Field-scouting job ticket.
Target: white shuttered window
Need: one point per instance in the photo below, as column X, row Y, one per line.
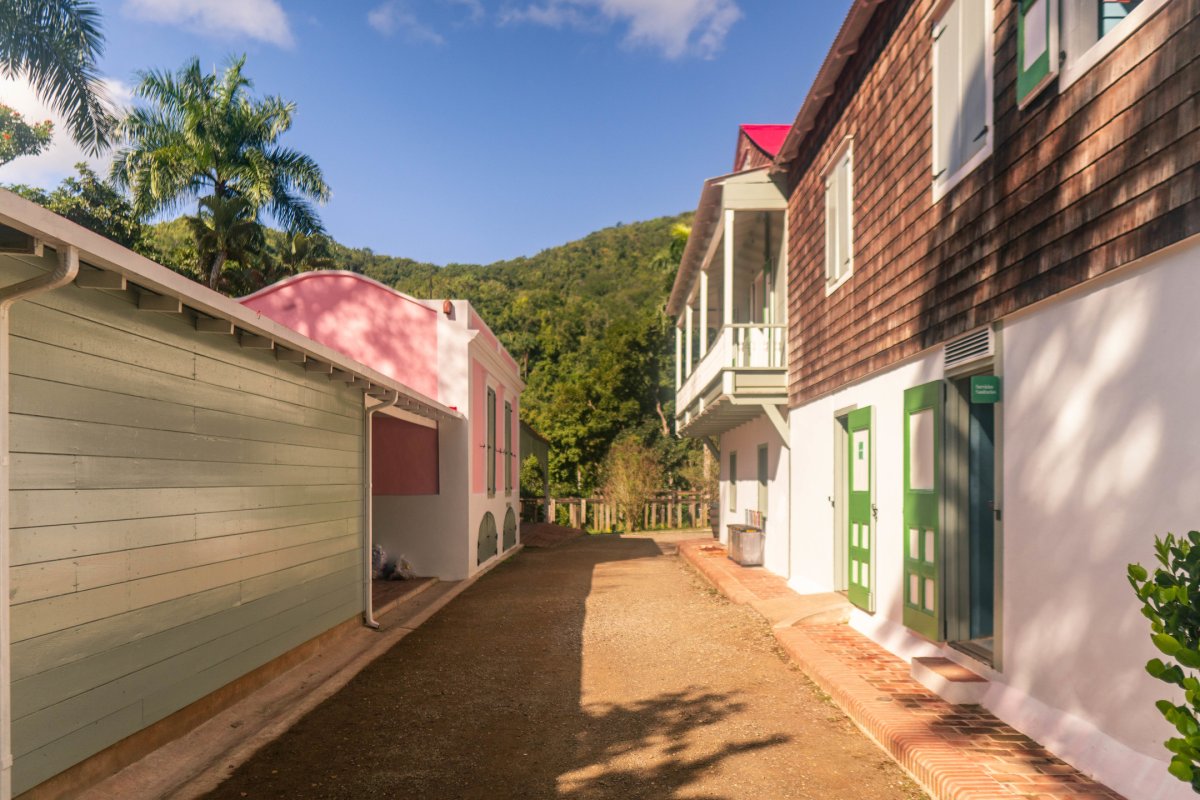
column 839, row 219
column 962, row 91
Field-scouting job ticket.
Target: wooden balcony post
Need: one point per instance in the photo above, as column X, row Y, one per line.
column 703, row 313
column 727, row 317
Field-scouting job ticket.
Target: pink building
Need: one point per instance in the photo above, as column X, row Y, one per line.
column 445, row 495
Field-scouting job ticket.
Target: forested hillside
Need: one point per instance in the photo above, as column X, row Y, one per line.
column 585, row 321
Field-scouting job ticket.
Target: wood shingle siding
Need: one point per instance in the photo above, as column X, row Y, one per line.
column 183, row 511
column 1079, row 183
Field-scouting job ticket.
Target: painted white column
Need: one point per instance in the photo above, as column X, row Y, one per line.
column 703, row 313
column 728, row 311
column 687, row 356
column 678, row 356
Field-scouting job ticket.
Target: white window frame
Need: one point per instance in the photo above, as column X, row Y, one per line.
column 944, row 183
column 1076, row 65
column 845, row 152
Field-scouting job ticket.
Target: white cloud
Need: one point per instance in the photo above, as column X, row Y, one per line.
column 394, row 16
column 58, row 161
column 264, row 20
column 675, row 27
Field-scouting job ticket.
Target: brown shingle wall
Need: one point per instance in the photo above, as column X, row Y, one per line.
column 1077, row 184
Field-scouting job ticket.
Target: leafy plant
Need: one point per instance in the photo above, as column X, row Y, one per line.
column 55, row 44
column 1170, row 601
column 632, row 475
column 203, row 137
column 20, row 138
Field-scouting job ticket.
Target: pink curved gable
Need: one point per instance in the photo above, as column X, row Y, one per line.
column 361, row 318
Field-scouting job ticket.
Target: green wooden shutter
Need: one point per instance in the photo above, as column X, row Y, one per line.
column 491, row 443
column 859, row 522
column 923, row 411
column 1037, row 47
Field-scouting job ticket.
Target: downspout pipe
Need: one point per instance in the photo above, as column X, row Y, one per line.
column 390, row 400
column 68, row 268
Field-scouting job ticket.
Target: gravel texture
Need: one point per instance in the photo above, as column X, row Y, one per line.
column 602, row 668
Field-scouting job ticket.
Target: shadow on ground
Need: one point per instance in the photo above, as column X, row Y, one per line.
column 483, row 701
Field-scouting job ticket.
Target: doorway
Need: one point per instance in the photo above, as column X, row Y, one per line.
column 972, row 515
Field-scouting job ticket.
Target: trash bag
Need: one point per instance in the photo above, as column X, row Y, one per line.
column 379, row 562
column 402, row 570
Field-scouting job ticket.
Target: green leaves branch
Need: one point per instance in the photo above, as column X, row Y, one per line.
column 1169, row 598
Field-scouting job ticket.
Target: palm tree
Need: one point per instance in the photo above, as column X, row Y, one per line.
column 225, row 228
column 56, row 44
column 202, row 137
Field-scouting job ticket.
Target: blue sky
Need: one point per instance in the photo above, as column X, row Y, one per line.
column 476, row 130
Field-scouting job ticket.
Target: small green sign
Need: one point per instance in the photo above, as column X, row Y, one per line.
column 985, row 389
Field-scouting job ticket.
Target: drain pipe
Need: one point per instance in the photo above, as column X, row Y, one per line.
column 390, row 400
column 68, row 268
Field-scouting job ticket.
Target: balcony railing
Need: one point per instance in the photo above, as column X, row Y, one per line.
column 757, row 346
column 742, row 346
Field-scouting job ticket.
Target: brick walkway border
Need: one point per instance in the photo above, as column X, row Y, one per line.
column 954, row 752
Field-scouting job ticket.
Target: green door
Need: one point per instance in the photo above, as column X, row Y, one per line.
column 859, row 525
column 923, row 409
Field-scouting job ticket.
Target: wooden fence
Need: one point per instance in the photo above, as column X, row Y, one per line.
column 664, row 511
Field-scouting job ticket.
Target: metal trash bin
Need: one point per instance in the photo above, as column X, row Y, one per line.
column 746, row 545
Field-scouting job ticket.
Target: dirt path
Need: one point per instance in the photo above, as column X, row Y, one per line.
column 602, row 668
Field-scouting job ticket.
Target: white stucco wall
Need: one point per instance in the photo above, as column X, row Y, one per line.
column 745, row 440
column 1092, row 469
column 1100, row 456
column 432, row 530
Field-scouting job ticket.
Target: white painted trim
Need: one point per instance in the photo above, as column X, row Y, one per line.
column 944, row 184
column 845, row 149
column 1074, row 68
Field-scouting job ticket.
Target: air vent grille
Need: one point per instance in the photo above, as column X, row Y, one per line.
column 968, row 349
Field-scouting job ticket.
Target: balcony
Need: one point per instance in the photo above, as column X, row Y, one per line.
column 729, row 301
column 745, row 367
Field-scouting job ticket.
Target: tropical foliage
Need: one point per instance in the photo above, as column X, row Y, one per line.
column 1170, row 599
column 632, row 475
column 56, row 44
column 201, row 137
column 88, row 200
column 19, row 138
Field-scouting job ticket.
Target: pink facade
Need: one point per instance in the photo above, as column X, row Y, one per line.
column 393, row 333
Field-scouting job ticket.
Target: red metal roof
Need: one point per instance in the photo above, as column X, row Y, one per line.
column 768, row 138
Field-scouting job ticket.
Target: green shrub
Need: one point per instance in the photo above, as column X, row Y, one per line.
column 1169, row 600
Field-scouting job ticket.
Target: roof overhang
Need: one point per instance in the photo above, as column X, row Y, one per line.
column 751, row 189
column 104, row 254
column 843, row 49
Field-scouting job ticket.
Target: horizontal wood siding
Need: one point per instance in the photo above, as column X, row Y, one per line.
column 1079, row 183
column 183, row 511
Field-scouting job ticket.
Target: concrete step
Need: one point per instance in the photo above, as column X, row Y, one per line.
column 952, row 682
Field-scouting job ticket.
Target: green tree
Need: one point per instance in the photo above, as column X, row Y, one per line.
column 202, row 137
column 19, row 138
column 632, row 475
column 56, row 44
column 226, row 228
column 88, row 200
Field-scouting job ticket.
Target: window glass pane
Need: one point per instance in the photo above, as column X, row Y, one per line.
column 1111, row 13
column 1035, row 32
column 920, row 450
column 972, row 122
column 860, row 468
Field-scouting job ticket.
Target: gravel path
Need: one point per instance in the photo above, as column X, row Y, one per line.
column 603, row 668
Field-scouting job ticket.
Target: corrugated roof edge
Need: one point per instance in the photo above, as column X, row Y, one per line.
column 102, row 253
column 845, row 45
